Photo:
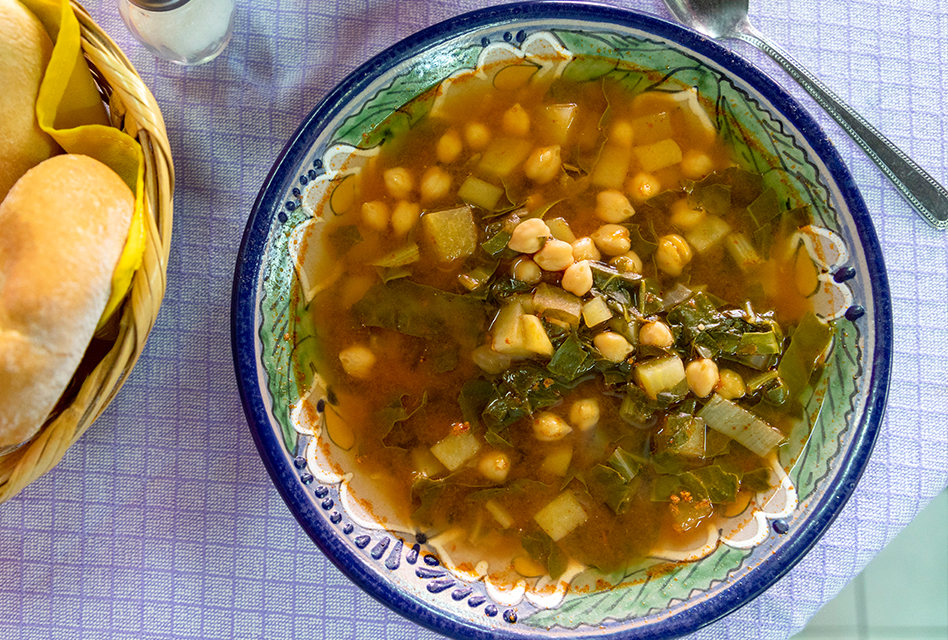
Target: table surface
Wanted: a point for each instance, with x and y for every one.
(161, 522)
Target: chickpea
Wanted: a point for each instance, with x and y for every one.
(578, 278)
(730, 385)
(490, 361)
(543, 164)
(612, 239)
(555, 255)
(476, 135)
(375, 215)
(621, 133)
(494, 465)
(673, 254)
(684, 216)
(585, 249)
(526, 270)
(529, 236)
(404, 216)
(584, 414)
(435, 184)
(702, 375)
(613, 206)
(357, 361)
(612, 346)
(628, 262)
(695, 164)
(656, 334)
(516, 121)
(449, 146)
(643, 186)
(398, 182)
(549, 427)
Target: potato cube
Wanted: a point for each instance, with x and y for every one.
(451, 233)
(561, 515)
(456, 449)
(658, 155)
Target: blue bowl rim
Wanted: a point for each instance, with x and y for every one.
(269, 201)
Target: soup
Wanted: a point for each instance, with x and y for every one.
(556, 328)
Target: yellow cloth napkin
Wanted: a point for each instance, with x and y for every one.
(69, 108)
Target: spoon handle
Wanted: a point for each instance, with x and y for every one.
(928, 197)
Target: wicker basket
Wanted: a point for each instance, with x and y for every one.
(108, 363)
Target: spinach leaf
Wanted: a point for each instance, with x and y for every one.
(422, 311)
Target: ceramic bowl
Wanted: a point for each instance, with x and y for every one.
(815, 474)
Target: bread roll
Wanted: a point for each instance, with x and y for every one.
(62, 229)
(24, 53)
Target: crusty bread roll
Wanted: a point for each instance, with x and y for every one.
(62, 229)
(25, 48)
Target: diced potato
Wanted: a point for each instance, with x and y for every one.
(707, 234)
(660, 374)
(507, 332)
(480, 193)
(503, 155)
(451, 233)
(596, 311)
(612, 167)
(425, 463)
(501, 515)
(556, 462)
(559, 119)
(535, 338)
(489, 360)
(652, 128)
(658, 155)
(456, 449)
(555, 302)
(561, 516)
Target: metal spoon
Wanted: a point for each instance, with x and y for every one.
(728, 19)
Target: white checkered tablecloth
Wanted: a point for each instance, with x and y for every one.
(162, 523)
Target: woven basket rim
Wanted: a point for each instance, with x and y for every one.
(132, 108)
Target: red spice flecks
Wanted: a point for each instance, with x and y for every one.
(459, 428)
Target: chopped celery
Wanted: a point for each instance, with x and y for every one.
(501, 515)
(743, 252)
(451, 233)
(560, 230)
(561, 516)
(660, 375)
(740, 424)
(399, 257)
(552, 301)
(478, 276)
(480, 193)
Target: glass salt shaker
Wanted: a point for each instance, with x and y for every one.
(187, 32)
